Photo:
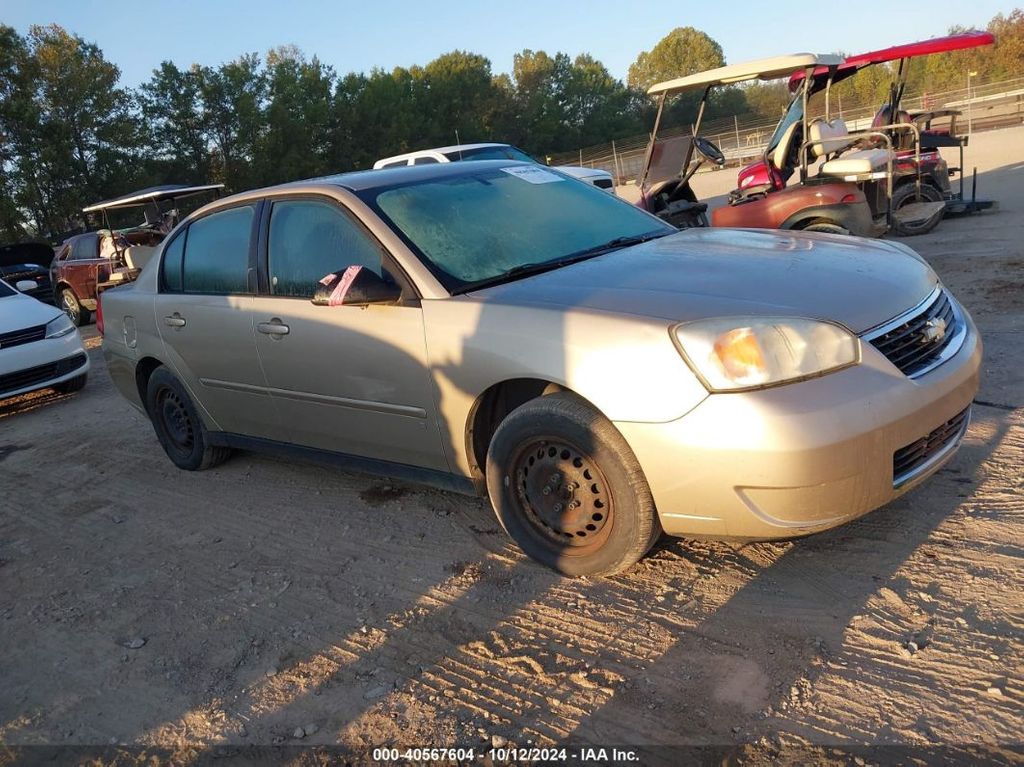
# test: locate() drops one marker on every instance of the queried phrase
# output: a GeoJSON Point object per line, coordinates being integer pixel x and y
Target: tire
{"type": "Point", "coordinates": [826, 226]}
{"type": "Point", "coordinates": [906, 194]}
{"type": "Point", "coordinates": [614, 522]}
{"type": "Point", "coordinates": [177, 424]}
{"type": "Point", "coordinates": [72, 385]}
{"type": "Point", "coordinates": [73, 308]}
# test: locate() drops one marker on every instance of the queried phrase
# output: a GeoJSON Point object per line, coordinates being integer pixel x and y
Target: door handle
{"type": "Point", "coordinates": [175, 321]}
{"type": "Point", "coordinates": [273, 328]}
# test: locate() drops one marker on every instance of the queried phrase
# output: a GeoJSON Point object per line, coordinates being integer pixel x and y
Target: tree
{"type": "Point", "coordinates": [298, 118]}
{"type": "Point", "coordinates": [233, 98]}
{"type": "Point", "coordinates": [683, 51]}
{"type": "Point", "coordinates": [172, 108]}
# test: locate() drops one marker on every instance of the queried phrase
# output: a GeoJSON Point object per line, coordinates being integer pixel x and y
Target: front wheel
{"type": "Point", "coordinates": [568, 489]}
{"type": "Point", "coordinates": [73, 308]}
{"type": "Point", "coordinates": [177, 424]}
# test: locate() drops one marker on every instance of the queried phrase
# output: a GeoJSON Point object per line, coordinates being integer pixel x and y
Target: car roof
{"type": "Point", "coordinates": [364, 180]}
{"type": "Point", "coordinates": [439, 150]}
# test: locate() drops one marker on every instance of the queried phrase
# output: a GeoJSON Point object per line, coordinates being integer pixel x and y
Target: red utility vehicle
{"type": "Point", "coordinates": [920, 175]}
{"type": "Point", "coordinates": [821, 204]}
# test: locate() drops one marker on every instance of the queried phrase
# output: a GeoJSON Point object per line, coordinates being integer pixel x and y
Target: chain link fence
{"type": "Point", "coordinates": [743, 138]}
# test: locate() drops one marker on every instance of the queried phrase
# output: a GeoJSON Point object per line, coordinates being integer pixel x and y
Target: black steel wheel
{"type": "Point", "coordinates": [178, 426]}
{"type": "Point", "coordinates": [563, 493]}
{"type": "Point", "coordinates": [568, 489]}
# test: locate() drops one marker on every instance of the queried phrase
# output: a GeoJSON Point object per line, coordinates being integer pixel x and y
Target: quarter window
{"type": "Point", "coordinates": [310, 239]}
{"type": "Point", "coordinates": [216, 258]}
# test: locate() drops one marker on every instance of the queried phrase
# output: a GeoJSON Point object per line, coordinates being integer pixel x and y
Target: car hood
{"type": "Point", "coordinates": [702, 273]}
{"type": "Point", "coordinates": [19, 311]}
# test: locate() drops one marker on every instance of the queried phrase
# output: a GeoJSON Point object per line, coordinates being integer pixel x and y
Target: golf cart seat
{"type": "Point", "coordinates": [137, 256]}
{"type": "Point", "coordinates": [830, 136]}
{"type": "Point", "coordinates": [863, 162]}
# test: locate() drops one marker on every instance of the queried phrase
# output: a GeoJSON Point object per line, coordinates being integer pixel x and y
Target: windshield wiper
{"type": "Point", "coordinates": [536, 267]}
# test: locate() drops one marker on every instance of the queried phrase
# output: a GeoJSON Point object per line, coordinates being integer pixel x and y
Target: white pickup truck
{"type": "Point", "coordinates": [599, 178]}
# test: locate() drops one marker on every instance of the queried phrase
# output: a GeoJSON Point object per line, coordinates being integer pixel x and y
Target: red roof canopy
{"type": "Point", "coordinates": [909, 50]}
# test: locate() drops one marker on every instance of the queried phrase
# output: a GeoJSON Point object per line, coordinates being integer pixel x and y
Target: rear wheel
{"type": "Point", "coordinates": [826, 226]}
{"type": "Point", "coordinates": [908, 194]}
{"type": "Point", "coordinates": [177, 424]}
{"type": "Point", "coordinates": [73, 308]}
{"type": "Point", "coordinates": [566, 486]}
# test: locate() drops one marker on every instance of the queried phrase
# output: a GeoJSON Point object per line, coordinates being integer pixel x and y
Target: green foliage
{"type": "Point", "coordinates": [683, 51]}
{"type": "Point", "coordinates": [70, 135]}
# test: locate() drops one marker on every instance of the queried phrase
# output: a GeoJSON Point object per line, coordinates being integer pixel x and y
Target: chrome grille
{"type": "Point", "coordinates": [915, 458]}
{"type": "Point", "coordinates": [923, 338]}
{"type": "Point", "coordinates": [24, 336]}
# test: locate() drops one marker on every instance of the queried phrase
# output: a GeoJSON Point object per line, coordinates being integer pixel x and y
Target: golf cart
{"type": "Point", "coordinates": [88, 263]}
{"type": "Point", "coordinates": [822, 203]}
{"type": "Point", "coordinates": [921, 175]}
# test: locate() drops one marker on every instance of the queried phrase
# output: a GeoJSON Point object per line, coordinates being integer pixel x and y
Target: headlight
{"type": "Point", "coordinates": [59, 326]}
{"type": "Point", "coordinates": [734, 353]}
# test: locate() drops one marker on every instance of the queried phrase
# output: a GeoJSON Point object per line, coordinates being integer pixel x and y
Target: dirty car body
{"type": "Point", "coordinates": [756, 384]}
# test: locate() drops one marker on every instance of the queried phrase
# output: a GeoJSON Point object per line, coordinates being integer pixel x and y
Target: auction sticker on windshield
{"type": "Point", "coordinates": [534, 175]}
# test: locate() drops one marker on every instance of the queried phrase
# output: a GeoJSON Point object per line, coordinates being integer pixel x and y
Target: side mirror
{"type": "Point", "coordinates": [23, 286]}
{"type": "Point", "coordinates": [355, 286]}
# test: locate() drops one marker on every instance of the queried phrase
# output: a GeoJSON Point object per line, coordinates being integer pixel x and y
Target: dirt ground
{"type": "Point", "coordinates": [268, 602]}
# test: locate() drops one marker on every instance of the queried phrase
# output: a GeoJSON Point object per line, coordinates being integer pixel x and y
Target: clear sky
{"type": "Point", "coordinates": [357, 36]}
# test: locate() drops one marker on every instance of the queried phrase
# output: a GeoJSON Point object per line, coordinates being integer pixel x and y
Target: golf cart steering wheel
{"type": "Point", "coordinates": [707, 148]}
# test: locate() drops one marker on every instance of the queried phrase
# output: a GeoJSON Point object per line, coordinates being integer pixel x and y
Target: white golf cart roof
{"type": "Point", "coordinates": [771, 68]}
{"type": "Point", "coordinates": [143, 196]}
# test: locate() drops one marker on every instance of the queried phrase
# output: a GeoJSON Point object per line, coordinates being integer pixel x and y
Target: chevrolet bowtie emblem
{"type": "Point", "coordinates": [934, 330]}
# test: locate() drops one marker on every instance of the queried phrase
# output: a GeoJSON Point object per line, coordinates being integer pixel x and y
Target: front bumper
{"type": "Point", "coordinates": [41, 364]}
{"type": "Point", "coordinates": [797, 459]}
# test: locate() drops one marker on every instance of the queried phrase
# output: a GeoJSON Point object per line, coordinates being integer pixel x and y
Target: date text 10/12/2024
{"type": "Point", "coordinates": [587, 754]}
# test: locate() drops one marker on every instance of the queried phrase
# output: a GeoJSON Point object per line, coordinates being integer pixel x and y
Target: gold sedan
{"type": "Point", "coordinates": [501, 328]}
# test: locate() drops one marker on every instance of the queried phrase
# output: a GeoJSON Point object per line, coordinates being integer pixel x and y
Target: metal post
{"type": "Point", "coordinates": [736, 127]}
{"type": "Point", "coordinates": [581, 158]}
{"type": "Point", "coordinates": [615, 163]}
{"type": "Point", "coordinates": [969, 110]}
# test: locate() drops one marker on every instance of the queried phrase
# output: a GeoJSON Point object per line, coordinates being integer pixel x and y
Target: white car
{"type": "Point", "coordinates": [602, 179]}
{"type": "Point", "coordinates": [39, 347]}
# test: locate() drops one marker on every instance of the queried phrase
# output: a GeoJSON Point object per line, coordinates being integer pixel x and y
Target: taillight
{"type": "Point", "coordinates": [849, 198]}
{"type": "Point", "coordinates": [99, 315]}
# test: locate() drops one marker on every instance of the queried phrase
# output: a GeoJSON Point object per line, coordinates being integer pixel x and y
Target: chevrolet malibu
{"type": "Point", "coordinates": [494, 328]}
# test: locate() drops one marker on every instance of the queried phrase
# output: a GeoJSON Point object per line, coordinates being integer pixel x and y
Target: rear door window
{"type": "Point", "coordinates": [216, 257]}
{"type": "Point", "coordinates": [310, 239]}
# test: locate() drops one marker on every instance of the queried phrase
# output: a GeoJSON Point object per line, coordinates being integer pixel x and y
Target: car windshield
{"type": "Point", "coordinates": [489, 153]}
{"type": "Point", "coordinates": [6, 290]}
{"type": "Point", "coordinates": [496, 221]}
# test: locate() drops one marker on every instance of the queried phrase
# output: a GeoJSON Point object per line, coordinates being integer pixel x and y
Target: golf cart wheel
{"type": "Point", "coordinates": [907, 194]}
{"type": "Point", "coordinates": [177, 424]}
{"type": "Point", "coordinates": [73, 308]}
{"type": "Point", "coordinates": [568, 489]}
{"type": "Point", "coordinates": [826, 226]}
